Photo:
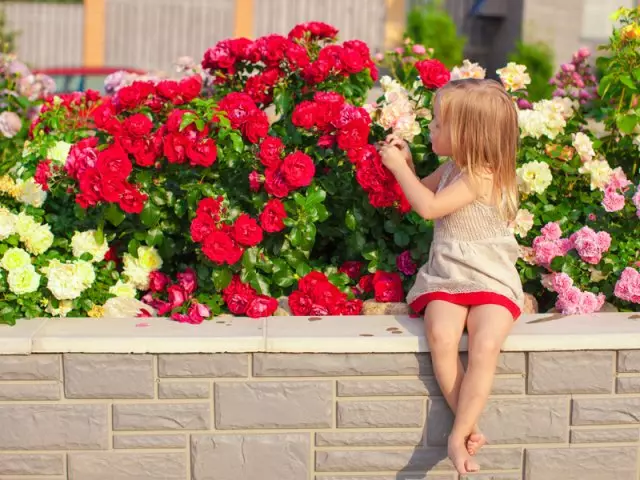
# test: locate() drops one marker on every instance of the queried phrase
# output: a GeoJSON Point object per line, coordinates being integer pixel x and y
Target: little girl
{"type": "Point", "coordinates": [470, 279]}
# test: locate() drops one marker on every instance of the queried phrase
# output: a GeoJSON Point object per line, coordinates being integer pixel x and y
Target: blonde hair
{"type": "Point", "coordinates": [483, 124]}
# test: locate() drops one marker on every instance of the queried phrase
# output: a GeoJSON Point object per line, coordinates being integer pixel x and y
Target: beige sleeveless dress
{"type": "Point", "coordinates": [472, 259]}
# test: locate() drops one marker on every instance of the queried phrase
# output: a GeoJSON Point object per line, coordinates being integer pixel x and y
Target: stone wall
{"type": "Point", "coordinates": [269, 416]}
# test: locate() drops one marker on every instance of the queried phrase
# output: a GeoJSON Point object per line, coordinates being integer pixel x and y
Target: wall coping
{"type": "Point", "coordinates": [357, 334]}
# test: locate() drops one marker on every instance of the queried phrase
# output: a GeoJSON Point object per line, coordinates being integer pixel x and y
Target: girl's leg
{"type": "Point", "coordinates": [488, 327]}
{"type": "Point", "coordinates": [444, 325]}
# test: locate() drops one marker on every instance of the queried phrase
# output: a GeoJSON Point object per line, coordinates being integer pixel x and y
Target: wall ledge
{"type": "Point", "coordinates": [361, 334]}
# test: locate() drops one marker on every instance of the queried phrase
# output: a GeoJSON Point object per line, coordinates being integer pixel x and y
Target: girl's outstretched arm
{"type": "Point", "coordinates": [426, 203]}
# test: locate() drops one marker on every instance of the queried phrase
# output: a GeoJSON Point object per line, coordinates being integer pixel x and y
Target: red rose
{"type": "Point", "coordinates": [132, 96]}
{"type": "Point", "coordinates": [316, 72]}
{"type": "Point", "coordinates": [313, 30]}
{"type": "Point", "coordinates": [353, 61]}
{"type": "Point", "coordinates": [254, 181]}
{"type": "Point", "coordinates": [298, 169]}
{"type": "Point", "coordinates": [181, 317]}
{"type": "Point", "coordinates": [158, 281]}
{"type": "Point", "coordinates": [433, 73]}
{"type": "Point", "coordinates": [246, 231]}
{"type": "Point", "coordinates": [326, 141]}
{"type": "Point", "coordinates": [318, 310]}
{"type": "Point", "coordinates": [111, 187]}
{"type": "Point", "coordinates": [91, 185]}
{"type": "Point", "coordinates": [114, 162]}
{"type": "Point", "coordinates": [300, 303]}
{"type": "Point", "coordinates": [256, 126]}
{"type": "Point", "coordinates": [210, 207]}
{"type": "Point", "coordinates": [271, 218]}
{"type": "Point", "coordinates": [352, 307]}
{"type": "Point", "coordinates": [168, 89]}
{"type": "Point", "coordinates": [190, 87]}
{"type": "Point", "coordinates": [359, 46]}
{"type": "Point", "coordinates": [365, 284]}
{"type": "Point", "coordinates": [297, 57]}
{"type": "Point", "coordinates": [304, 115]}
{"type": "Point", "coordinates": [131, 200]}
{"type": "Point", "coordinates": [202, 152]}
{"type": "Point", "coordinates": [237, 296]}
{"type": "Point", "coordinates": [334, 56]}
{"type": "Point", "coordinates": [175, 148]}
{"type": "Point", "coordinates": [382, 199]}
{"type": "Point", "coordinates": [352, 268]}
{"type": "Point", "coordinates": [387, 287]}
{"type": "Point", "coordinates": [220, 248]}
{"type": "Point", "coordinates": [177, 296]}
{"type": "Point", "coordinates": [220, 57]}
{"type": "Point", "coordinates": [346, 113]}
{"type": "Point", "coordinates": [270, 152]}
{"type": "Point", "coordinates": [262, 306]}
{"type": "Point", "coordinates": [364, 154]}
{"type": "Point", "coordinates": [138, 125]}
{"type": "Point", "coordinates": [308, 283]}
{"type": "Point", "coordinates": [43, 174]}
{"type": "Point", "coordinates": [258, 89]}
{"type": "Point", "coordinates": [354, 135]}
{"type": "Point", "coordinates": [201, 227]}
{"type": "Point", "coordinates": [174, 120]}
{"type": "Point", "coordinates": [275, 183]}
{"type": "Point", "coordinates": [238, 107]}
{"type": "Point", "coordinates": [188, 281]}
{"type": "Point", "coordinates": [327, 294]}
{"type": "Point", "coordinates": [147, 150]}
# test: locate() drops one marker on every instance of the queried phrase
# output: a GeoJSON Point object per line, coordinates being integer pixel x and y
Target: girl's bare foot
{"type": "Point", "coordinates": [475, 442]}
{"type": "Point", "coordinates": [460, 457]}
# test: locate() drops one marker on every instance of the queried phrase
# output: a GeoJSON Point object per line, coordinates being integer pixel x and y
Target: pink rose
{"type": "Point", "coordinates": [590, 303]}
{"type": "Point", "coordinates": [613, 201]}
{"type": "Point", "coordinates": [405, 263]}
{"type": "Point", "coordinates": [181, 317]}
{"type": "Point", "coordinates": [188, 281]}
{"type": "Point", "coordinates": [158, 281]}
{"type": "Point", "coordinates": [552, 231]}
{"type": "Point", "coordinates": [419, 49]}
{"type": "Point", "coordinates": [561, 282]}
{"type": "Point", "coordinates": [177, 296]}
{"type": "Point", "coordinates": [198, 312]}
{"type": "Point", "coordinates": [628, 286]}
{"type": "Point", "coordinates": [590, 245]}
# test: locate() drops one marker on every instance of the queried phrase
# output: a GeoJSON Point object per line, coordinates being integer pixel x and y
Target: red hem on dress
{"type": "Point", "coordinates": [467, 299]}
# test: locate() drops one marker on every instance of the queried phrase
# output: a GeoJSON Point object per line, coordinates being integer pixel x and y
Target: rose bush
{"type": "Point", "coordinates": [256, 177]}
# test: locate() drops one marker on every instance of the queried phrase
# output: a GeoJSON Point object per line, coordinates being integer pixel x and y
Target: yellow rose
{"type": "Point", "coordinates": [149, 258]}
{"type": "Point", "coordinates": [135, 273]}
{"type": "Point", "coordinates": [30, 193]}
{"type": "Point", "coordinates": [85, 273]}
{"type": "Point", "coordinates": [59, 152]}
{"type": "Point", "coordinates": [123, 290]}
{"type": "Point", "coordinates": [15, 259]}
{"type": "Point", "coordinates": [85, 242]}
{"type": "Point", "coordinates": [24, 225]}
{"type": "Point", "coordinates": [7, 223]}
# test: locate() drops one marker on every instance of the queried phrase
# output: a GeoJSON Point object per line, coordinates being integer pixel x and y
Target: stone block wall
{"type": "Point", "coordinates": [552, 416]}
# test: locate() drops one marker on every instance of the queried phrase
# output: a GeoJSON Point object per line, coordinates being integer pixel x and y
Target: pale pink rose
{"type": "Point", "coordinates": [10, 124]}
{"type": "Point", "coordinates": [419, 49]}
{"type": "Point", "coordinates": [590, 303]}
{"type": "Point", "coordinates": [379, 57]}
{"type": "Point", "coordinates": [552, 231]}
{"type": "Point", "coordinates": [590, 245]}
{"type": "Point", "coordinates": [604, 241]}
{"type": "Point", "coordinates": [636, 201]}
{"type": "Point", "coordinates": [399, 50]}
{"type": "Point", "coordinates": [628, 286]}
{"type": "Point", "coordinates": [612, 201]}
{"type": "Point", "coordinates": [592, 217]}
{"type": "Point", "coordinates": [561, 282]}
{"type": "Point", "coordinates": [618, 180]}
{"type": "Point", "coordinates": [569, 302]}
{"type": "Point", "coordinates": [546, 281]}
{"type": "Point", "coordinates": [545, 251]}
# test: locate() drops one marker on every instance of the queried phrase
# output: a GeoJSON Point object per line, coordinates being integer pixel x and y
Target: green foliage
{"type": "Point", "coordinates": [538, 58]}
{"type": "Point", "coordinates": [432, 26]}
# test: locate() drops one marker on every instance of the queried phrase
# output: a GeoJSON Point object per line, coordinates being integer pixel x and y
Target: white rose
{"type": "Point", "coordinates": [583, 145]}
{"type": "Point", "coordinates": [468, 70]}
{"type": "Point", "coordinates": [534, 177]}
{"type": "Point", "coordinates": [514, 77]}
{"type": "Point", "coordinates": [38, 240]}
{"type": "Point", "coordinates": [30, 193]}
{"type": "Point", "coordinates": [85, 273]}
{"type": "Point", "coordinates": [63, 281]}
{"type": "Point", "coordinates": [522, 223]}
{"type": "Point", "coordinates": [24, 224]}
{"type": "Point", "coordinates": [64, 307]}
{"type": "Point", "coordinates": [85, 242]}
{"type": "Point", "coordinates": [23, 280]}
{"type": "Point", "coordinates": [599, 171]}
{"type": "Point", "coordinates": [7, 223]}
{"type": "Point", "coordinates": [136, 273]}
{"type": "Point", "coordinates": [15, 259]}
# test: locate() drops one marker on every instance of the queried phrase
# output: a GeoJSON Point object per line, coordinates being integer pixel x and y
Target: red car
{"type": "Point", "coordinates": [79, 79]}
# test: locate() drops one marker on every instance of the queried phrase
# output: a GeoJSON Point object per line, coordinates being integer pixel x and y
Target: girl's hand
{"type": "Point", "coordinates": [393, 158]}
{"type": "Point", "coordinates": [397, 143]}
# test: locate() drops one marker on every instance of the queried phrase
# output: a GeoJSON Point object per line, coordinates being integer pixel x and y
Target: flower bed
{"type": "Point", "coordinates": [188, 196]}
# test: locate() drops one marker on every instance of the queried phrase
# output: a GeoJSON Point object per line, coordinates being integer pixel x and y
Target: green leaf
{"type": "Point", "coordinates": [294, 258]}
{"type": "Point", "coordinates": [350, 221]}
{"type": "Point", "coordinates": [259, 282]}
{"type": "Point", "coordinates": [155, 237]}
{"type": "Point", "coordinates": [627, 123]}
{"type": "Point", "coordinates": [316, 196]}
{"type": "Point", "coordinates": [401, 239]}
{"type": "Point", "coordinates": [221, 278]}
{"type": "Point", "coordinates": [303, 269]}
{"type": "Point", "coordinates": [114, 215]}
{"type": "Point", "coordinates": [296, 237]}
{"type": "Point", "coordinates": [250, 258]}
{"type": "Point", "coordinates": [557, 263]}
{"type": "Point", "coordinates": [150, 216]}
{"type": "Point", "coordinates": [299, 199]}
{"type": "Point", "coordinates": [636, 74]}
{"type": "Point", "coordinates": [628, 82]}
{"type": "Point", "coordinates": [339, 279]}
{"type": "Point", "coordinates": [284, 277]}
{"type": "Point", "coordinates": [283, 101]}
{"type": "Point", "coordinates": [308, 235]}
{"type": "Point", "coordinates": [238, 144]}
{"type": "Point", "coordinates": [187, 119]}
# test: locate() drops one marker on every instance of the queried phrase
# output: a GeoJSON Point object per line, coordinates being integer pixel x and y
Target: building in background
{"type": "Point", "coordinates": [152, 34]}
